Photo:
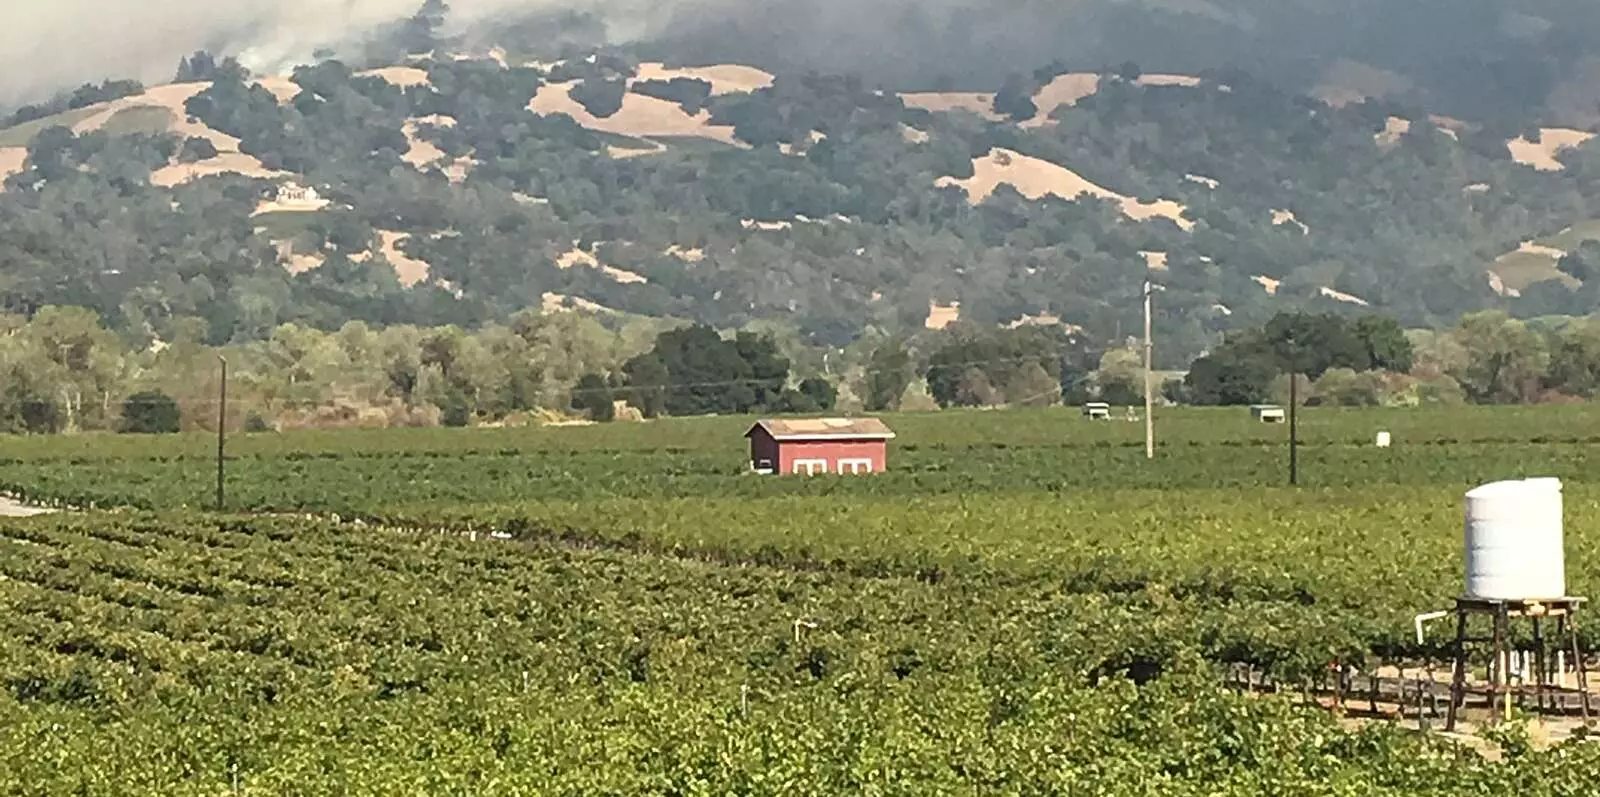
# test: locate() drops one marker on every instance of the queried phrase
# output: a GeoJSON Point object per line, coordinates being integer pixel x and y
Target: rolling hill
{"type": "Point", "coordinates": [465, 188]}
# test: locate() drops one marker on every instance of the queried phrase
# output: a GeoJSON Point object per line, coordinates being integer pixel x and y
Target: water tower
{"type": "Point", "coordinates": [1516, 569]}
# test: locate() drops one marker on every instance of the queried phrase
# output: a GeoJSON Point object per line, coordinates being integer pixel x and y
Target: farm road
{"type": "Point", "coordinates": [10, 507]}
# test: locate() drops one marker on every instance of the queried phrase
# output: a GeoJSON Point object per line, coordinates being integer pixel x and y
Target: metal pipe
{"type": "Point", "coordinates": [222, 427]}
{"type": "Point", "coordinates": [1425, 617]}
{"type": "Point", "coordinates": [1149, 399]}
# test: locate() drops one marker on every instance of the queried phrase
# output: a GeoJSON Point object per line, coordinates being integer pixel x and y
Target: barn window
{"type": "Point", "coordinates": [854, 466]}
{"type": "Point", "coordinates": [810, 467]}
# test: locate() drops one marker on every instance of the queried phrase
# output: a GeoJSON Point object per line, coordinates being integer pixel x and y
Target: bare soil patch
{"type": "Point", "coordinates": [913, 135]}
{"type": "Point", "coordinates": [640, 116]}
{"type": "Point", "coordinates": [1036, 320]}
{"type": "Point", "coordinates": [1063, 90]}
{"type": "Point", "coordinates": [281, 87]}
{"type": "Point", "coordinates": [1282, 217]}
{"type": "Point", "coordinates": [296, 263]}
{"type": "Point", "coordinates": [10, 507]}
{"type": "Point", "coordinates": [766, 226]}
{"type": "Point", "coordinates": [410, 270]}
{"type": "Point", "coordinates": [1158, 79]}
{"type": "Point", "coordinates": [693, 255]}
{"type": "Point", "coordinates": [1393, 128]}
{"type": "Point", "coordinates": [401, 76]}
{"type": "Point", "coordinates": [1499, 286]}
{"type": "Point", "coordinates": [561, 303]}
{"type": "Point", "coordinates": [1340, 296]}
{"type": "Point", "coordinates": [421, 152]}
{"type": "Point", "coordinates": [172, 98]}
{"type": "Point", "coordinates": [942, 315]}
{"type": "Point", "coordinates": [12, 160]}
{"type": "Point", "coordinates": [224, 163]}
{"type": "Point", "coordinates": [1552, 140]}
{"type": "Point", "coordinates": [577, 257]}
{"type": "Point", "coordinates": [724, 78]}
{"type": "Point", "coordinates": [1035, 178]}
{"type": "Point", "coordinates": [980, 103]}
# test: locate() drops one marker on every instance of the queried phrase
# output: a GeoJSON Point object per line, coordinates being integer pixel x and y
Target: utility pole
{"type": "Point", "coordinates": [1294, 440]}
{"type": "Point", "coordinates": [1149, 396]}
{"type": "Point", "coordinates": [222, 426]}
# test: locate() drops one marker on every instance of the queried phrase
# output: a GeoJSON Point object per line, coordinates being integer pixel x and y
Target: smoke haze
{"type": "Point", "coordinates": [1514, 49]}
{"type": "Point", "coordinates": [48, 45]}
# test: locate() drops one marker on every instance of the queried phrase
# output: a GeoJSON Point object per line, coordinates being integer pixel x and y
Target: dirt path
{"type": "Point", "coordinates": [10, 507]}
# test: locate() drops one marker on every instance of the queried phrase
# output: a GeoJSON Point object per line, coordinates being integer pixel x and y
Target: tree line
{"type": "Point", "coordinates": [63, 370]}
{"type": "Point", "coordinates": [1488, 357]}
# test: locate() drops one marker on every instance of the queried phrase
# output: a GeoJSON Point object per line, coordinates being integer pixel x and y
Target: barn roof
{"type": "Point", "coordinates": [824, 429]}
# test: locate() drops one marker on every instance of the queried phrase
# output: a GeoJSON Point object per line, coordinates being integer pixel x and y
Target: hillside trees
{"type": "Point", "coordinates": [976, 367]}
{"type": "Point", "coordinates": [878, 240]}
{"type": "Point", "coordinates": [203, 66]}
{"type": "Point", "coordinates": [592, 396]}
{"type": "Point", "coordinates": [81, 97]}
{"type": "Point", "coordinates": [690, 93]}
{"type": "Point", "coordinates": [1488, 358]}
{"type": "Point", "coordinates": [1505, 359]}
{"type": "Point", "coordinates": [602, 98]}
{"type": "Point", "coordinates": [419, 34]}
{"type": "Point", "coordinates": [888, 372]}
{"type": "Point", "coordinates": [695, 371]}
{"type": "Point", "coordinates": [1241, 370]}
{"type": "Point", "coordinates": [150, 412]}
{"type": "Point", "coordinates": [1575, 358]}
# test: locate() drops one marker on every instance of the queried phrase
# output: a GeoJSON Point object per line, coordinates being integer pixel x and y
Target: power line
{"type": "Point", "coordinates": [1042, 356]}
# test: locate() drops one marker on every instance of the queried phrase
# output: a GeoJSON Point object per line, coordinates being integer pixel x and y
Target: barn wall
{"type": "Point", "coordinates": [832, 451]}
{"type": "Point", "coordinates": [762, 446]}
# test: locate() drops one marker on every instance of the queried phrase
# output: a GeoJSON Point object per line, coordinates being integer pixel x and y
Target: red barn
{"type": "Point", "coordinates": [819, 445]}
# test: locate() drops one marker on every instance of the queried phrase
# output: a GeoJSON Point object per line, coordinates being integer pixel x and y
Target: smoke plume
{"type": "Point", "coordinates": [48, 45]}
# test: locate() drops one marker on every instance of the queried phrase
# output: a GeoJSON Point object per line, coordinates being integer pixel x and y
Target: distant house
{"type": "Point", "coordinates": [1267, 413]}
{"type": "Point", "coordinates": [293, 193]}
{"type": "Point", "coordinates": [293, 196]}
{"type": "Point", "coordinates": [814, 446]}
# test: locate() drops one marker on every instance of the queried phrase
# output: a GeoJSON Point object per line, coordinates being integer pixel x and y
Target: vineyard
{"type": "Point", "coordinates": [1023, 605]}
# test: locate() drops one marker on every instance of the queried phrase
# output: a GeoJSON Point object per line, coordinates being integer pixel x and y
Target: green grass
{"type": "Point", "coordinates": [624, 142]}
{"type": "Point", "coordinates": [285, 224]}
{"type": "Point", "coordinates": [22, 135]}
{"type": "Point", "coordinates": [1022, 452]}
{"type": "Point", "coordinates": [1518, 270]}
{"type": "Point", "coordinates": [1573, 237]}
{"type": "Point", "coordinates": [145, 119]}
{"type": "Point", "coordinates": [692, 145]}
{"type": "Point", "coordinates": [646, 603]}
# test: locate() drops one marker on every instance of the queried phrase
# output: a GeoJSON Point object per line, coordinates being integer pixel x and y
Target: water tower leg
{"type": "Point", "coordinates": [1497, 661]}
{"type": "Point", "coordinates": [1458, 678]}
{"type": "Point", "coordinates": [1577, 664]}
{"type": "Point", "coordinates": [1538, 663]}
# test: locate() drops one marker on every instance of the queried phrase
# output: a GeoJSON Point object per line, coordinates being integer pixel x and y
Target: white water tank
{"type": "Point", "coordinates": [1514, 540]}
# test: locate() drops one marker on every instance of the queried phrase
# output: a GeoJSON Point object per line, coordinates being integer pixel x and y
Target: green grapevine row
{"type": "Point", "coordinates": [188, 655]}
